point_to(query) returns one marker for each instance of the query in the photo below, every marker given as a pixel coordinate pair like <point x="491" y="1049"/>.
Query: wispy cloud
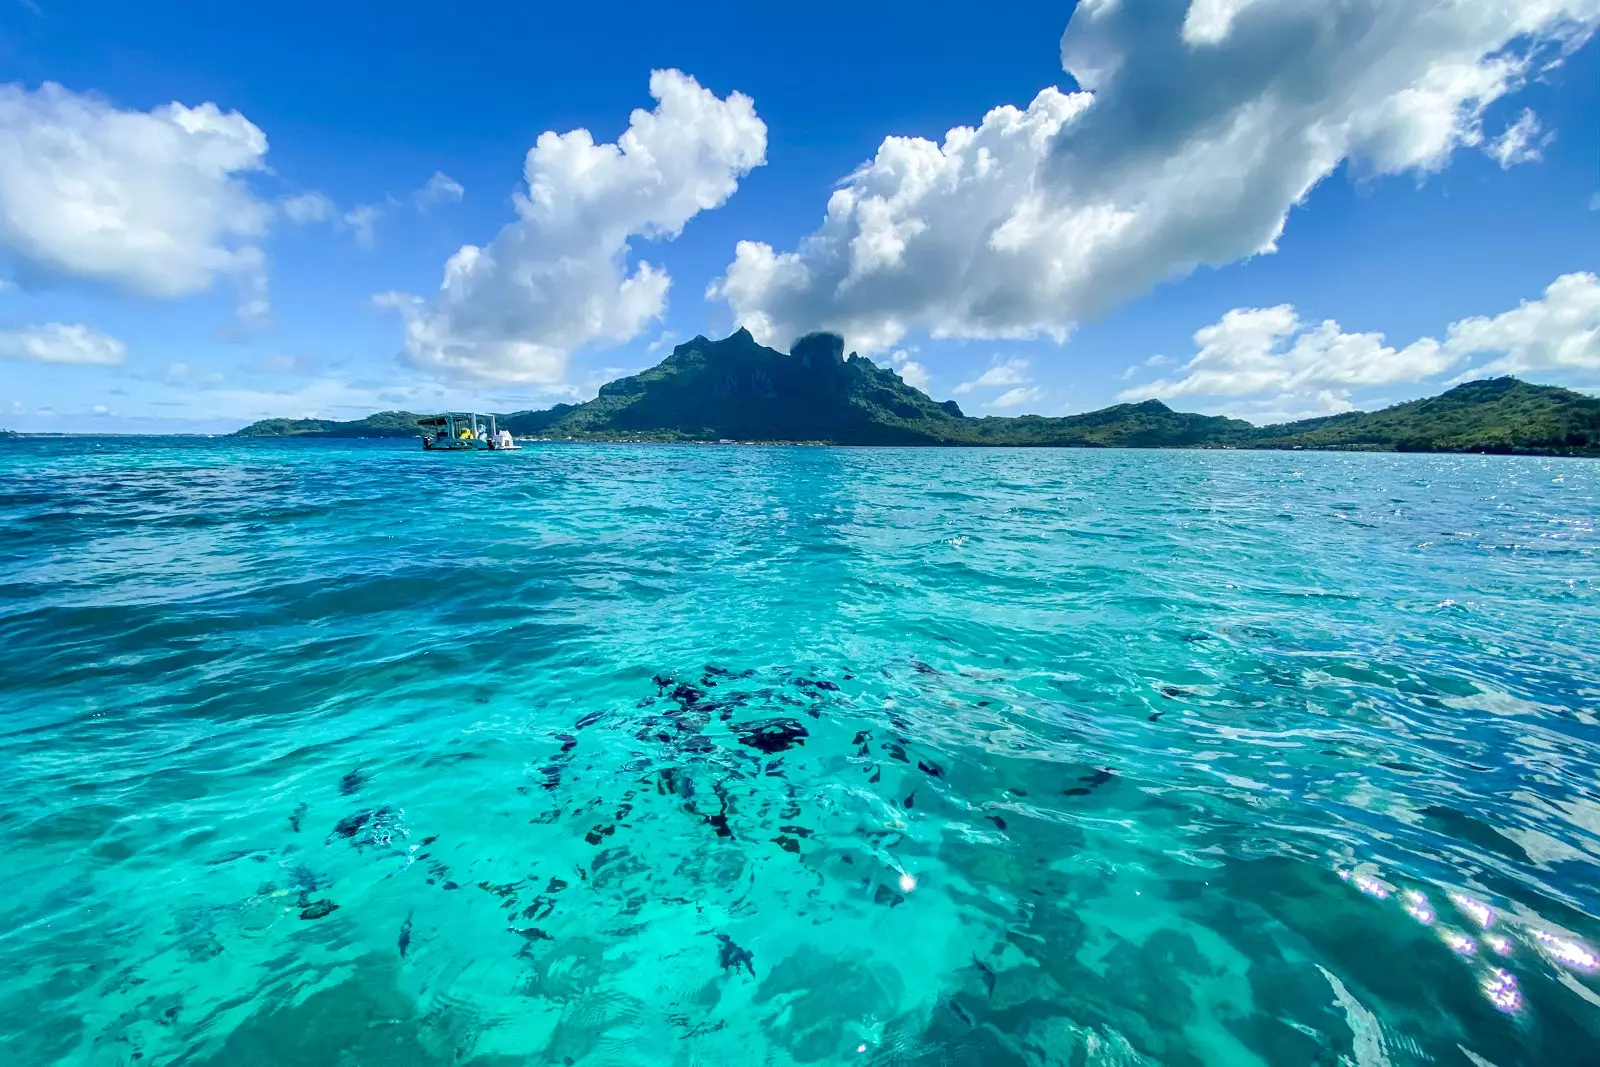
<point x="1008" y="372"/>
<point x="55" y="342"/>
<point x="1012" y="398"/>
<point x="1153" y="361"/>
<point x="362" y="219"/>
<point x="180" y="373"/>
<point x="1524" y="141"/>
<point x="439" y="189"/>
<point x="307" y="207"/>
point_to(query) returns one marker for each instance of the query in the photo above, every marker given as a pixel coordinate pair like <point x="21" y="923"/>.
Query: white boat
<point x="456" y="431"/>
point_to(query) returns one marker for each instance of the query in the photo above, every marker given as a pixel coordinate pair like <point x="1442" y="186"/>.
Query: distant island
<point x="738" y="390"/>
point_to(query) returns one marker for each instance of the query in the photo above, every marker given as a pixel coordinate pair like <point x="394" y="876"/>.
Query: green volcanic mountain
<point x="736" y="389"/>
<point x="739" y="390"/>
<point x="1491" y="415"/>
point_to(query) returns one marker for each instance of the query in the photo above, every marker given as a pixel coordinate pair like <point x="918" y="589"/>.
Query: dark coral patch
<point x="316" y="909"/>
<point x="772" y="735"/>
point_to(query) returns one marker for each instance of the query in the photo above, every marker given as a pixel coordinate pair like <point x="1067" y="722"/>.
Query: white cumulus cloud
<point x="155" y="203"/>
<point x="911" y="372"/>
<point x="1200" y="126"/>
<point x="1208" y="21"/>
<point x="54" y="342"/>
<point x="558" y="277"/>
<point x="1558" y="334"/>
<point x="1254" y="351"/>
<point x="1274" y="364"/>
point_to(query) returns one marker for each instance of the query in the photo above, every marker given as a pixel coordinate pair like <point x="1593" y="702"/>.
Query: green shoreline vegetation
<point x="738" y="390"/>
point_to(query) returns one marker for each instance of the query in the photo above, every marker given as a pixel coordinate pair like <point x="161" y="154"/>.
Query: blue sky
<point x="1240" y="170"/>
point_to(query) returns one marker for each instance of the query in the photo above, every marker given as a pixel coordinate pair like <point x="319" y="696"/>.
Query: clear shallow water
<point x="321" y="753"/>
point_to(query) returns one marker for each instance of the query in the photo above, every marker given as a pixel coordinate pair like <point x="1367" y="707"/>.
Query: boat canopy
<point x="457" y="431"/>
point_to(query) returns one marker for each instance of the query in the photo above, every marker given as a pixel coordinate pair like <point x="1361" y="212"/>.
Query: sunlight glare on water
<point x="327" y="753"/>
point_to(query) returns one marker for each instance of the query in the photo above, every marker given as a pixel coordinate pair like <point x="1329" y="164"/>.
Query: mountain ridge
<point x="736" y="389"/>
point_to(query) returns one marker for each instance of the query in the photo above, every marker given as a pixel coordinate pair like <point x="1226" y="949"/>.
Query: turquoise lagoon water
<point x="324" y="753"/>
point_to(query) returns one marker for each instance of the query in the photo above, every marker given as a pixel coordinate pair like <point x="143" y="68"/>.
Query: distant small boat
<point x="456" y="431"/>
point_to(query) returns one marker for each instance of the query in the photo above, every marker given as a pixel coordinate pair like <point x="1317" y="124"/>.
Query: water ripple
<point x="338" y="752"/>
